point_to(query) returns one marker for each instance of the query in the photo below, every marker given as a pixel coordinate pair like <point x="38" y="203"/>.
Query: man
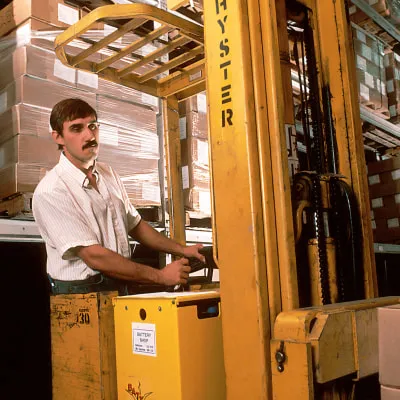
<point x="84" y="215"/>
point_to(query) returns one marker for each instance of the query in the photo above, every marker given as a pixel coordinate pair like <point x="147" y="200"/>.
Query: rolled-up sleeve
<point x="61" y="224"/>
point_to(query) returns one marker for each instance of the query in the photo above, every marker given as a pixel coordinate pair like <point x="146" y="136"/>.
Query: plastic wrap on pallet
<point x="28" y="52"/>
<point x="143" y="189"/>
<point x="40" y="93"/>
<point x="23" y="119"/>
<point x="131" y="142"/>
<point x="26" y="149"/>
<point x="126" y="115"/>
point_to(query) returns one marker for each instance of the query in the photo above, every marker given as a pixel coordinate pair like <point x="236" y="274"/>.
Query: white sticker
<point x="205" y="202"/>
<point x="369" y="80"/>
<point x="202" y="152"/>
<point x="380" y="85"/>
<point x="396" y="174"/>
<point x="67" y="15"/>
<point x="23" y="35"/>
<point x="397" y="198"/>
<point x="397" y="74"/>
<point x="3" y="102"/>
<point x="361" y="36"/>
<point x="361" y="63"/>
<point x="88" y="79"/>
<point x="63" y="72"/>
<point x="182" y="128"/>
<point x="201" y="103"/>
<point x="366" y="52"/>
<point x="108" y="135"/>
<point x="352" y="10"/>
<point x="393" y="223"/>
<point x="377" y="203"/>
<point x="364" y="92"/>
<point x="390" y="86"/>
<point x="149" y="99"/>
<point x="392" y="111"/>
<point x="185" y="177"/>
<point x="151" y="193"/>
<point x="373" y="223"/>
<point x="373" y="179"/>
<point x="144" y="339"/>
<point x="193" y="77"/>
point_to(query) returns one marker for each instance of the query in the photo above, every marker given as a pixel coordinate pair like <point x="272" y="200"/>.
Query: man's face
<point x="80" y="140"/>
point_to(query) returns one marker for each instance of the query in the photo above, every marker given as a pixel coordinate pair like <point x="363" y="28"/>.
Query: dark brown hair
<point x="68" y="110"/>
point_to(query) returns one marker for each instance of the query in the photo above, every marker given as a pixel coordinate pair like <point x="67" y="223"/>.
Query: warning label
<point x="144" y="339"/>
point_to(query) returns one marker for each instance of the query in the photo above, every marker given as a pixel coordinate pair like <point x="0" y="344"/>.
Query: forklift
<point x="292" y="235"/>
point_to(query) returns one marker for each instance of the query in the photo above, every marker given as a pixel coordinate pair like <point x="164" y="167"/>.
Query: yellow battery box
<point x="169" y="346"/>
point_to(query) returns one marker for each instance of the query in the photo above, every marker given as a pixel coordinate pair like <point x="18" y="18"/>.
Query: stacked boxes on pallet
<point x="384" y="190"/>
<point x="392" y="69"/>
<point x="194" y="146"/>
<point x="370" y="70"/>
<point x="33" y="80"/>
<point x="385" y="8"/>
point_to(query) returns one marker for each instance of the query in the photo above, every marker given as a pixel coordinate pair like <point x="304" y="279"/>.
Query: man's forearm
<point x="147" y="235"/>
<point x="117" y="266"/>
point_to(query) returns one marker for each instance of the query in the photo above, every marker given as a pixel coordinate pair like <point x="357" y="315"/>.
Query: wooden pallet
<point x="382" y="112"/>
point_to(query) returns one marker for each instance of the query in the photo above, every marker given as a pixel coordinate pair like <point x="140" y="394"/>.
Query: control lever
<point x="196" y="265"/>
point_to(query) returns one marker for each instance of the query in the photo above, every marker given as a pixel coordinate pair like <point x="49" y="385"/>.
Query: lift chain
<point x="321" y="240"/>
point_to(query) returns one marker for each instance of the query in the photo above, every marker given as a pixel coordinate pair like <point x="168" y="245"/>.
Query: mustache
<point x="90" y="144"/>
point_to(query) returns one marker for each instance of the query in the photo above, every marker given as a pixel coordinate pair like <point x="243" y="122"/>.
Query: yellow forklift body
<point x="169" y="346"/>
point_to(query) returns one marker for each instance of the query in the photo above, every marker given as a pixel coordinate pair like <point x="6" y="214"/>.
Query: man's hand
<point x="193" y="251"/>
<point x="176" y="272"/>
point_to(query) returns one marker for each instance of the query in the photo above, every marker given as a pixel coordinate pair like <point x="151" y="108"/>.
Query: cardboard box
<point x="378" y="167"/>
<point x="56" y="13"/>
<point x="25" y="90"/>
<point x="390" y="393"/>
<point x="197" y="103"/>
<point x="24" y="119"/>
<point x="26" y="149"/>
<point x="127" y="115"/>
<point x="20" y="178"/>
<point x="35" y="62"/>
<point x="389" y="350"/>
<point x="143" y="190"/>
<point x="386" y="207"/>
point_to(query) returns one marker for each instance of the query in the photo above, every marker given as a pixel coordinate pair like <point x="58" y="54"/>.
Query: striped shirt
<point x="69" y="212"/>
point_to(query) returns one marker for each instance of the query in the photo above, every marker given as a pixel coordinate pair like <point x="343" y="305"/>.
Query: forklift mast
<point x="241" y="58"/>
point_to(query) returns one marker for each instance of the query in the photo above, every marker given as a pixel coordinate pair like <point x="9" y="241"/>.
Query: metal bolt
<point x="280" y="357"/>
<point x="159" y="308"/>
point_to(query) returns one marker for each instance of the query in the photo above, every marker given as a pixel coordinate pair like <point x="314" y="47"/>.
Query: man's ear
<point x="57" y="138"/>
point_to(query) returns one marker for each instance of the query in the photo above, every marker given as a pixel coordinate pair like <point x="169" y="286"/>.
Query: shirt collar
<point x="75" y="173"/>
